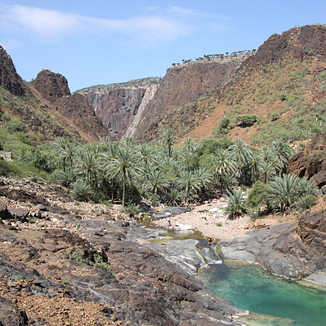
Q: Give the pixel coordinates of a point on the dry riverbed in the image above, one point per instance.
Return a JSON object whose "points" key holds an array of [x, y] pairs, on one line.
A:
{"points": [[211, 220]]}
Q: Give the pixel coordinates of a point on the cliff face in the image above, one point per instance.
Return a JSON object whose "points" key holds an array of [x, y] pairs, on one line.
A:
{"points": [[9, 79], [51, 85], [117, 105], [181, 85], [46, 105], [119, 108], [311, 161]]}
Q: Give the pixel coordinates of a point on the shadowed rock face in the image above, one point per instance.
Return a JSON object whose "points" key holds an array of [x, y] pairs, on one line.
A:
{"points": [[9, 79]]}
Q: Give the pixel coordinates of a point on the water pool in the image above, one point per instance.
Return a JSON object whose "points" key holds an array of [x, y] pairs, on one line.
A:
{"points": [[249, 287]]}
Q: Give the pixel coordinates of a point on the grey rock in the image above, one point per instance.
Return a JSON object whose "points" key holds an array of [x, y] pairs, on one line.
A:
{"points": [[4, 214], [19, 214]]}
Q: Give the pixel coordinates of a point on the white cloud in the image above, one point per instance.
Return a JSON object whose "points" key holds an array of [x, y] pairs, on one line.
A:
{"points": [[51, 26]]}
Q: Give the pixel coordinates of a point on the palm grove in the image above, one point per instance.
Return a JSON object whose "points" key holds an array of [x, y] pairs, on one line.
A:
{"points": [[163, 172], [170, 173]]}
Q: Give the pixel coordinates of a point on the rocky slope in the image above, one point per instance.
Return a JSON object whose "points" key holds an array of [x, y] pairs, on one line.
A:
{"points": [[280, 83], [68, 264], [46, 106], [10, 80], [182, 84]]}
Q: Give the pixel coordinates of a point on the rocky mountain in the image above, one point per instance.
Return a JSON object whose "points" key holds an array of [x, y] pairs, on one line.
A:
{"points": [[310, 162], [120, 105], [10, 80], [46, 106], [279, 84], [132, 109]]}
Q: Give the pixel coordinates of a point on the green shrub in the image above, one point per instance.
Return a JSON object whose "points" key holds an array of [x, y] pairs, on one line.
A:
{"points": [[258, 194], [15, 125], [246, 120]]}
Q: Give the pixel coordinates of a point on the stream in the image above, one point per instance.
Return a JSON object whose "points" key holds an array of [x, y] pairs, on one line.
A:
{"points": [[249, 287], [271, 300]]}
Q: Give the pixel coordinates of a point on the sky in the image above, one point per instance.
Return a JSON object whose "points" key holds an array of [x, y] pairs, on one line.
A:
{"points": [[93, 42]]}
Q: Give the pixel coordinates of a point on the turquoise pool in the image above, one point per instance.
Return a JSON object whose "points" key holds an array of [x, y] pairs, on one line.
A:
{"points": [[249, 287]]}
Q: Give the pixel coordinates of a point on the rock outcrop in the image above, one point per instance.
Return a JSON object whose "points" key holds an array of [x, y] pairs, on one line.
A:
{"points": [[311, 161], [292, 250], [51, 85], [9, 79], [298, 42], [49, 110], [77, 264]]}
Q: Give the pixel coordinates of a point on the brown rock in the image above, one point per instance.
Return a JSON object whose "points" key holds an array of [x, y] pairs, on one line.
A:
{"points": [[311, 162]]}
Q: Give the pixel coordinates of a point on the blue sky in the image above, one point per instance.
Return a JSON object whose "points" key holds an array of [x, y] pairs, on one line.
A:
{"points": [[94, 42]]}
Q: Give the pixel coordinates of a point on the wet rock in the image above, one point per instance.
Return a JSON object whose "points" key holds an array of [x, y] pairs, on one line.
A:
{"points": [[41, 207], [174, 210]]}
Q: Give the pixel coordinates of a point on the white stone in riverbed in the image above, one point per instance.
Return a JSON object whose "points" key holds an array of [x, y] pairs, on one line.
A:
{"points": [[183, 226]]}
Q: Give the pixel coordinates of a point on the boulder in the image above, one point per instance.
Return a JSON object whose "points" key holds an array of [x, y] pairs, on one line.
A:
{"points": [[19, 214], [4, 214]]}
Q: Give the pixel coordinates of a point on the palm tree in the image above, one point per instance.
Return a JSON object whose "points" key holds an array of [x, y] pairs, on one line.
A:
{"points": [[86, 163], [287, 191], [66, 151], [255, 165], [242, 155], [109, 152], [224, 164], [236, 203], [154, 180], [204, 178], [283, 152], [168, 138], [190, 181], [123, 166], [81, 190]]}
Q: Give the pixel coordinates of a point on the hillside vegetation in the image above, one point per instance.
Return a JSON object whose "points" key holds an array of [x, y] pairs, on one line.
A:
{"points": [[274, 95]]}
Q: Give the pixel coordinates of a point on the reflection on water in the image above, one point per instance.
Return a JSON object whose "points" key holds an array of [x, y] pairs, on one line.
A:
{"points": [[178, 235], [249, 287]]}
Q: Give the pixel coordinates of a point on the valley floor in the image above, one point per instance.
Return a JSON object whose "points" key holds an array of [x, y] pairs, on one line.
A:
{"points": [[213, 222]]}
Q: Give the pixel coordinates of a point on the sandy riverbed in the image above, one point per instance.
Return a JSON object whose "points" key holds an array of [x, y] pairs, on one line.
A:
{"points": [[211, 220]]}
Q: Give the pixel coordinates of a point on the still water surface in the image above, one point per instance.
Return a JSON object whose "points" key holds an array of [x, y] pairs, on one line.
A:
{"points": [[249, 287]]}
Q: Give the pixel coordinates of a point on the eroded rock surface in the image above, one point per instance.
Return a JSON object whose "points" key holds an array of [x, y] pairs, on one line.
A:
{"points": [[84, 268], [293, 250]]}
